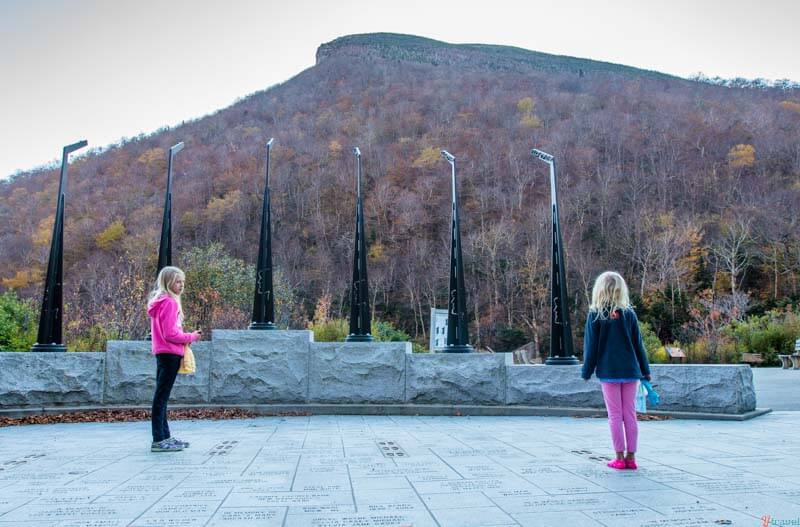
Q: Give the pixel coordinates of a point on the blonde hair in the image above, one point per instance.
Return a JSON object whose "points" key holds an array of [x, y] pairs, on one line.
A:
{"points": [[163, 286], [609, 294]]}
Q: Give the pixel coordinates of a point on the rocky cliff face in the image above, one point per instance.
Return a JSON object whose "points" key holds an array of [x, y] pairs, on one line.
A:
{"points": [[409, 48]]}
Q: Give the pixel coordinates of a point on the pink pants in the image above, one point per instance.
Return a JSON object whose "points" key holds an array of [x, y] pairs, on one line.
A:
{"points": [[620, 400]]}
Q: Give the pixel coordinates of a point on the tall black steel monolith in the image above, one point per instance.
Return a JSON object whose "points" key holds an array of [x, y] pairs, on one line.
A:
{"points": [[165, 247], [561, 351], [457, 325], [264, 298], [50, 337], [360, 317]]}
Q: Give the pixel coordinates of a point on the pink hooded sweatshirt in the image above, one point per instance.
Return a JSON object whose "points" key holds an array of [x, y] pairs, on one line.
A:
{"points": [[165, 330]]}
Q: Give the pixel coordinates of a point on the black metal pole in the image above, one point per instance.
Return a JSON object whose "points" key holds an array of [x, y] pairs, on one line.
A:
{"points": [[360, 317], [264, 298], [457, 325], [165, 247], [561, 350], [50, 337]]}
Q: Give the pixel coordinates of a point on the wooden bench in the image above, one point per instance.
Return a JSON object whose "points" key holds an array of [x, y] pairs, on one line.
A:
{"points": [[752, 358], [786, 361]]}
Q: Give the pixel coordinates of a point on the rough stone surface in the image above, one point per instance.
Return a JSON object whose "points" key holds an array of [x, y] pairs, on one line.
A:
{"points": [[721, 388], [260, 366], [353, 372], [131, 374], [455, 378], [286, 367], [57, 379], [540, 385]]}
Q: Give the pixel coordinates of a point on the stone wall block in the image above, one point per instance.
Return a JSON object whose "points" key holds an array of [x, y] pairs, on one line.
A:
{"points": [[131, 374], [354, 372], [455, 378], [51, 379], [260, 367]]}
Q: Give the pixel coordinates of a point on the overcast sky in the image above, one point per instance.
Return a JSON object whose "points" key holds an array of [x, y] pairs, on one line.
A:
{"points": [[105, 69]]}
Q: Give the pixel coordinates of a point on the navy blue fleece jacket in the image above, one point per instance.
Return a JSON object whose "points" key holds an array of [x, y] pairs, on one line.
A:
{"points": [[613, 347]]}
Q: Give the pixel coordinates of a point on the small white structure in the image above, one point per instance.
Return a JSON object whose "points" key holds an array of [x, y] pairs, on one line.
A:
{"points": [[438, 341]]}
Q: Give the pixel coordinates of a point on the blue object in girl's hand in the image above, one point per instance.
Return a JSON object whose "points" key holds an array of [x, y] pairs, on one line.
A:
{"points": [[640, 403], [652, 395]]}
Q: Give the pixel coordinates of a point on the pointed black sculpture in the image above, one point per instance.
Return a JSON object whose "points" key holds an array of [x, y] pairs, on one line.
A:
{"points": [[457, 325], [561, 351], [360, 318], [264, 298], [165, 248], [50, 336]]}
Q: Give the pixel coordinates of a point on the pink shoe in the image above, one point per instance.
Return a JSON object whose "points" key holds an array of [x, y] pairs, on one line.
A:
{"points": [[618, 464], [631, 464]]}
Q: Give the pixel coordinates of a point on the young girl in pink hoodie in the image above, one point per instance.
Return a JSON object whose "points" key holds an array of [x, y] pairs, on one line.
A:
{"points": [[168, 340]]}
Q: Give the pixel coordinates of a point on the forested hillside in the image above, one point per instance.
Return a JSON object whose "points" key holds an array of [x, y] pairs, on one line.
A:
{"points": [[690, 190]]}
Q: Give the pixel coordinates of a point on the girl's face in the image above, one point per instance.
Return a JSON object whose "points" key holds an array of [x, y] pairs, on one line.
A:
{"points": [[177, 285]]}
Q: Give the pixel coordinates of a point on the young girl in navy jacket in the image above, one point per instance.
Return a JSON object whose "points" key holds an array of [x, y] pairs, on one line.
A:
{"points": [[614, 351]]}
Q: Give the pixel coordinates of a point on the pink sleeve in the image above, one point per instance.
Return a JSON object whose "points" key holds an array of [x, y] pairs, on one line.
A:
{"points": [[168, 319]]}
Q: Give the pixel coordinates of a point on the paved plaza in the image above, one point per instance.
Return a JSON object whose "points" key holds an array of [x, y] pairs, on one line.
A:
{"points": [[777, 388], [341, 471]]}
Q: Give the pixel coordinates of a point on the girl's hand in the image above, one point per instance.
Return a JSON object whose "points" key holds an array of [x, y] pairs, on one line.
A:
{"points": [[198, 334], [647, 378]]}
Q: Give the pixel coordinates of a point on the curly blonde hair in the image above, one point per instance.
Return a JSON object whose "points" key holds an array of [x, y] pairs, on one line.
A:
{"points": [[609, 294]]}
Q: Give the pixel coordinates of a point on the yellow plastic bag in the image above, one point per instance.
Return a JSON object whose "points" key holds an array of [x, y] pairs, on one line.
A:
{"points": [[188, 365]]}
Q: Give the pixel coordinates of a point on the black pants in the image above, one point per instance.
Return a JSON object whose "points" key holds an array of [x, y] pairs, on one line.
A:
{"points": [[166, 372]]}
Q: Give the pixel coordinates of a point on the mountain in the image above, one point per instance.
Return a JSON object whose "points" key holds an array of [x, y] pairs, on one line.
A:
{"points": [[688, 189]]}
